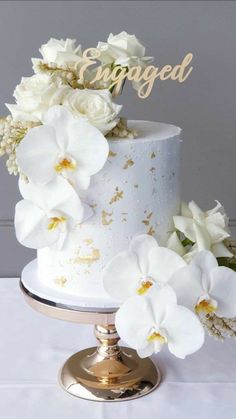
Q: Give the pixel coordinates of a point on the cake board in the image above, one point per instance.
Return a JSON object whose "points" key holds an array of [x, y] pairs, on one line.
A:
{"points": [[107, 372]]}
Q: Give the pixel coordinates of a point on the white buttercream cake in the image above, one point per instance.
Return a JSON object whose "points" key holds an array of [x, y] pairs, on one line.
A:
{"points": [[136, 192]]}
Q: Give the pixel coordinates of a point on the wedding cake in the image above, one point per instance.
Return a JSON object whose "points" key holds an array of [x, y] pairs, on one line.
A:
{"points": [[101, 200], [136, 192]]}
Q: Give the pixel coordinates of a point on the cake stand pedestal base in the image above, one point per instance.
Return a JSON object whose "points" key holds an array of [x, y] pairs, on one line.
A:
{"points": [[108, 372]]}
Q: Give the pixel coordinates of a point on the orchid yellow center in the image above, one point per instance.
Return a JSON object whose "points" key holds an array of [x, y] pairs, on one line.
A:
{"points": [[145, 285], [55, 221], [65, 164], [205, 306], [156, 336]]}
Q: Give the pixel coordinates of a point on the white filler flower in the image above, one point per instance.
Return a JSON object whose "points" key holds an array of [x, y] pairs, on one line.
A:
{"points": [[207, 230], [123, 49], [138, 269], [205, 287], [148, 323], [48, 213], [62, 146], [94, 105]]}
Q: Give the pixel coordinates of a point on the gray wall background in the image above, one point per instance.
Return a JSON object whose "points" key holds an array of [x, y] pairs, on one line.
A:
{"points": [[204, 106]]}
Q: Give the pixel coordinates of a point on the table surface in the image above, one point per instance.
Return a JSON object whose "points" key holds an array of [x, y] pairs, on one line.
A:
{"points": [[34, 347]]}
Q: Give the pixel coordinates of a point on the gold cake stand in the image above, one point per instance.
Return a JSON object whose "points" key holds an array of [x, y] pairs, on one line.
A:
{"points": [[107, 372]]}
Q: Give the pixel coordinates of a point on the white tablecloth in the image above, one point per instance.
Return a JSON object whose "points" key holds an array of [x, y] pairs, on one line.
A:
{"points": [[33, 348]]}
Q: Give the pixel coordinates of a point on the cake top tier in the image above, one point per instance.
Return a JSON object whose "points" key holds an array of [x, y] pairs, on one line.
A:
{"points": [[149, 130]]}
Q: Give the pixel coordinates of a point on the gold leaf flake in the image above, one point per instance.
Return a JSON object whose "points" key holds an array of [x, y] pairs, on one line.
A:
{"points": [[153, 155], [151, 231], [124, 219], [105, 218], [93, 205], [117, 196], [149, 216], [88, 259], [112, 154], [152, 170], [146, 222], [135, 186], [61, 281], [88, 241], [128, 163]]}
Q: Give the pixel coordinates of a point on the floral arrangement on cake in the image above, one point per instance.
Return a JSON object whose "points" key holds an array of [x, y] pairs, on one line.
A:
{"points": [[55, 138]]}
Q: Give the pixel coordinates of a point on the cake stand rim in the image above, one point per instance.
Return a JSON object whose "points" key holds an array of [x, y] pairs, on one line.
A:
{"points": [[31, 282], [76, 315]]}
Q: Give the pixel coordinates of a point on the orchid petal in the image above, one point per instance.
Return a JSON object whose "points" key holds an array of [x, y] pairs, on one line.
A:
{"points": [[59, 118], [185, 332], [141, 245], [163, 263], [36, 154], [187, 284], [205, 261], [158, 298], [121, 276], [134, 321], [31, 226], [89, 146], [223, 290]]}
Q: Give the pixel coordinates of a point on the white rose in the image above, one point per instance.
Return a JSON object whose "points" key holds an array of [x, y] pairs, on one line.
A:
{"points": [[34, 95], [123, 49], [60, 51], [96, 106]]}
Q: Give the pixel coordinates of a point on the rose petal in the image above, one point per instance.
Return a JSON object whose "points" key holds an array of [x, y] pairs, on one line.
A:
{"points": [[220, 250], [185, 225], [175, 244]]}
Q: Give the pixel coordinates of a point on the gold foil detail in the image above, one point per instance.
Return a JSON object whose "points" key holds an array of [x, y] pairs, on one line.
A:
{"points": [[61, 281], [128, 163], [117, 196], [88, 259], [147, 219], [152, 170], [135, 186], [105, 218], [153, 155], [151, 231], [112, 154], [88, 241]]}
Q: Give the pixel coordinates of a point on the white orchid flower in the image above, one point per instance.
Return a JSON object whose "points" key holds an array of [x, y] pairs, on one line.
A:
{"points": [[148, 323], [138, 269], [62, 146], [205, 287], [48, 213], [207, 230]]}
